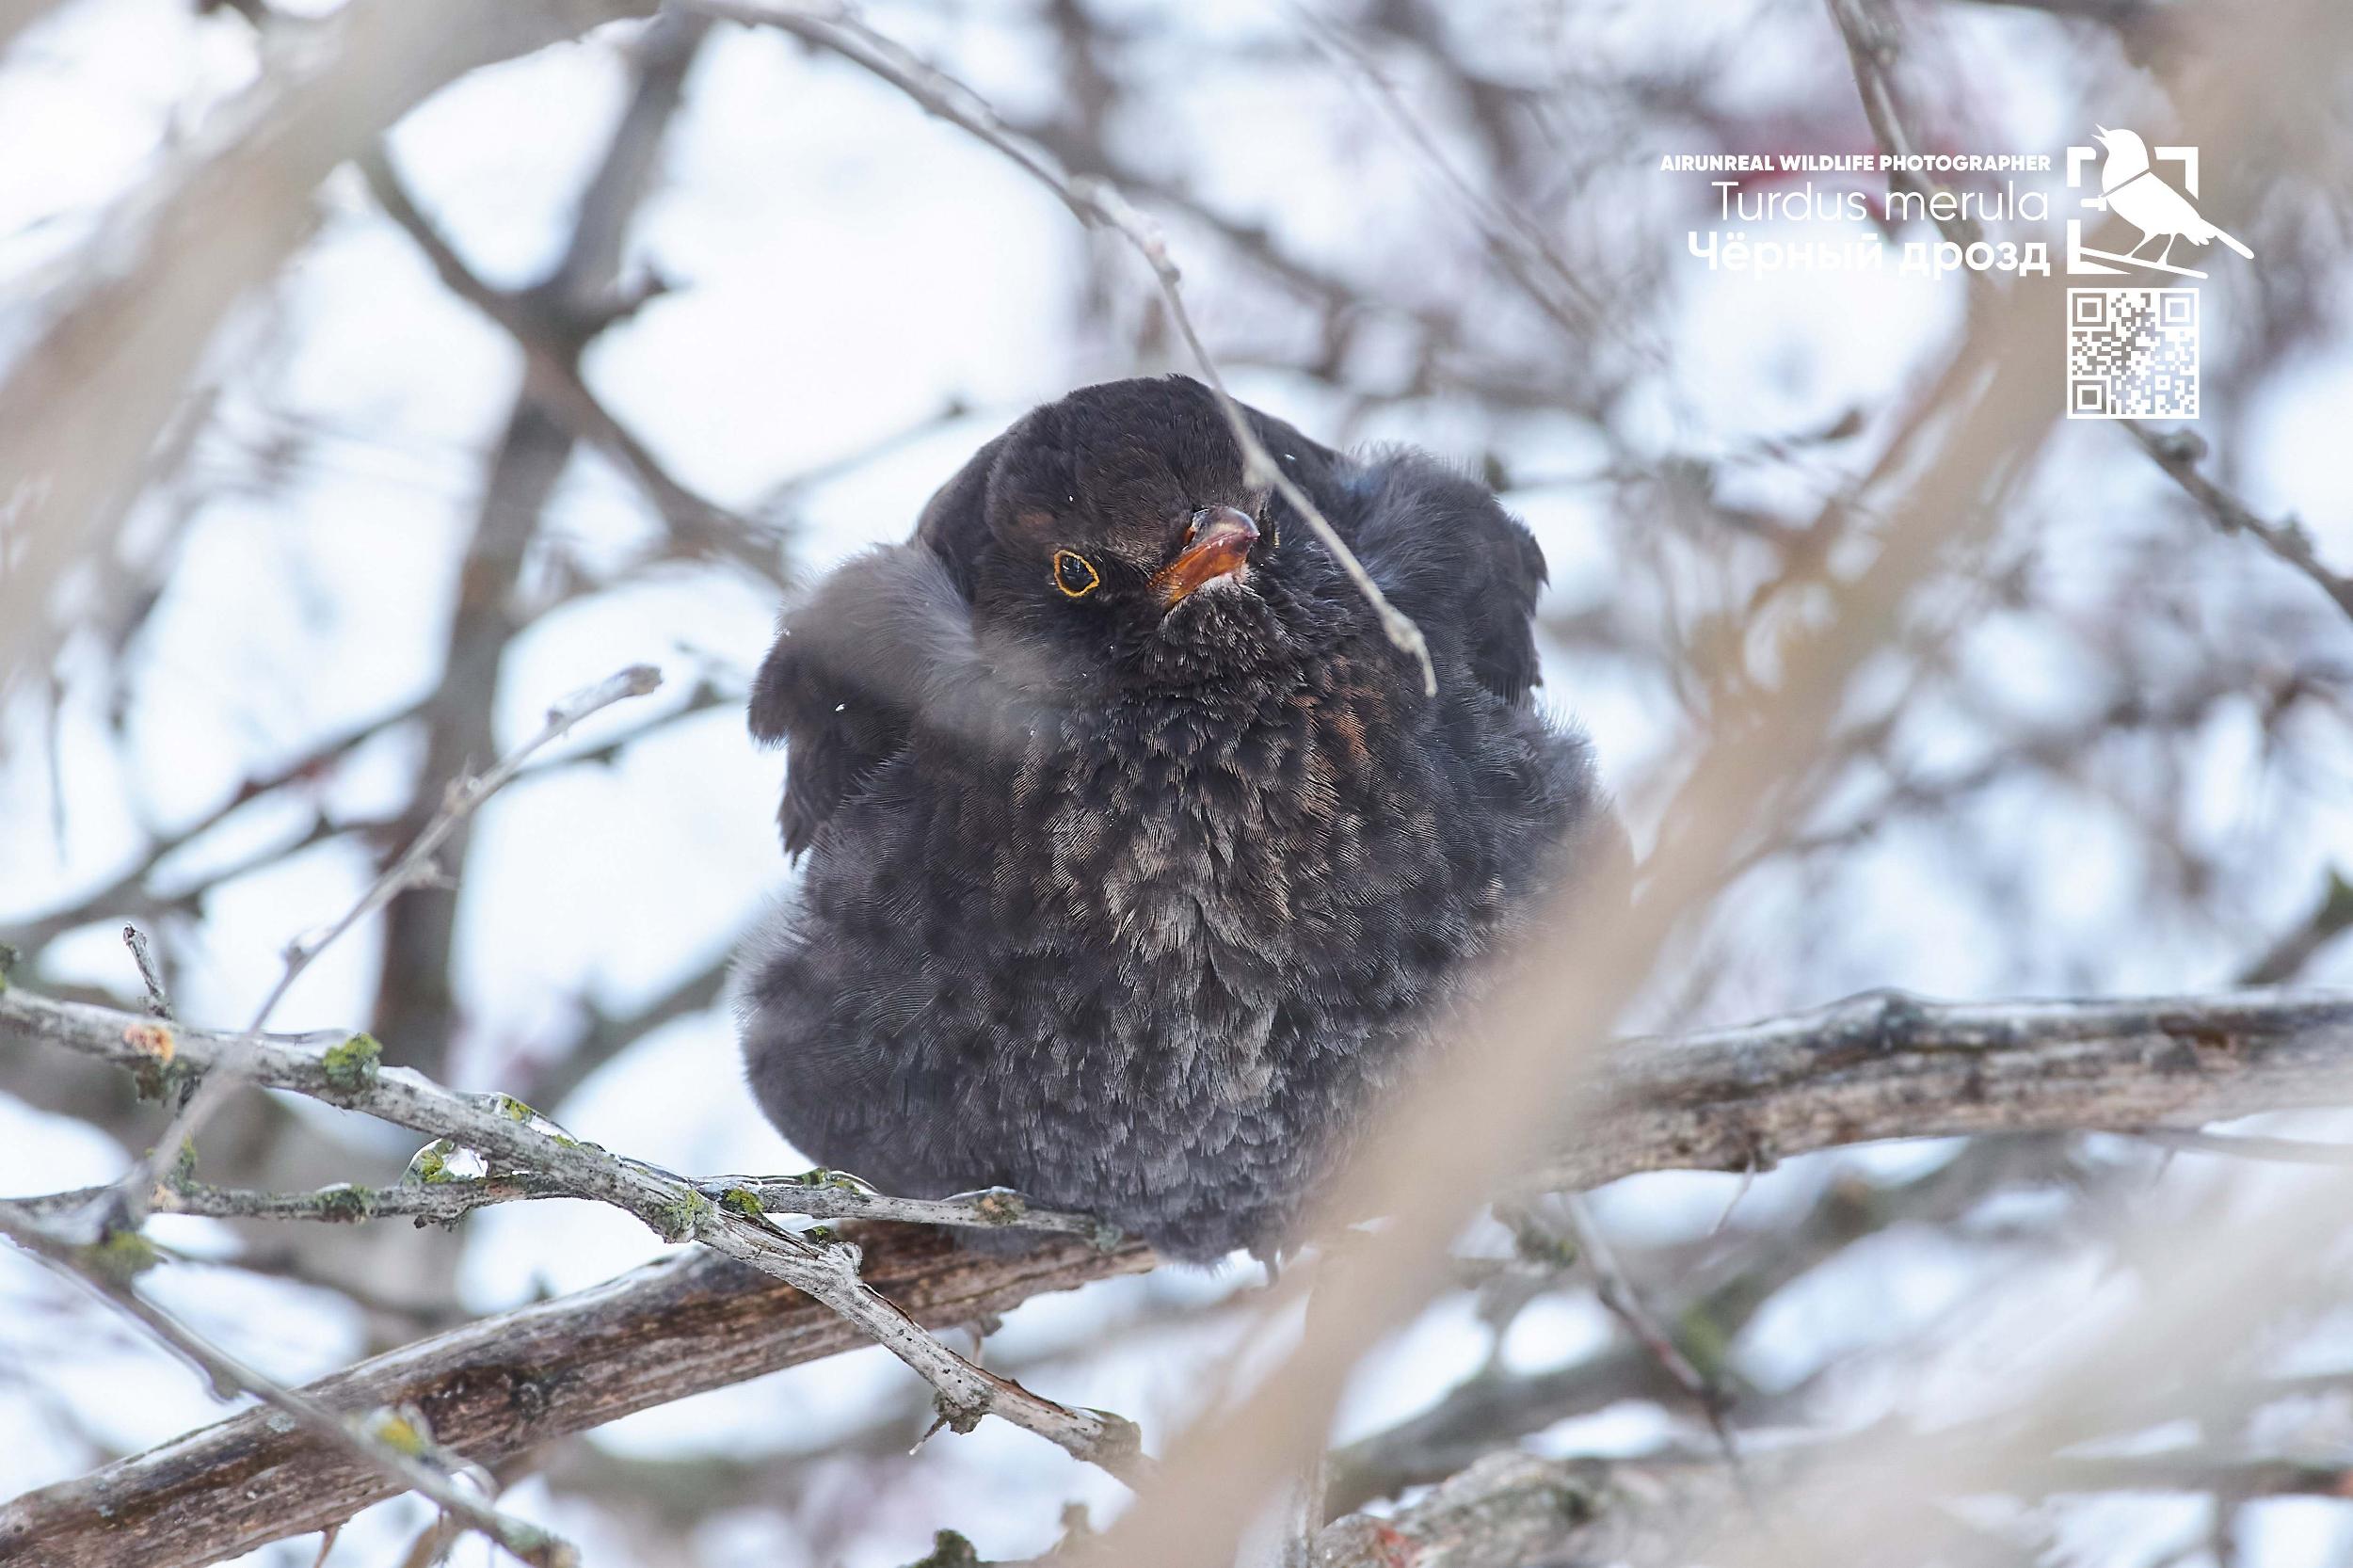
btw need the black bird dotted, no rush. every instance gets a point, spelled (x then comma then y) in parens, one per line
(1138, 858)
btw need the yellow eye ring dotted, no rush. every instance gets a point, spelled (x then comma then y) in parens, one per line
(1074, 575)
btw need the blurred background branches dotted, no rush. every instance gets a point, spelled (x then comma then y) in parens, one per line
(373, 372)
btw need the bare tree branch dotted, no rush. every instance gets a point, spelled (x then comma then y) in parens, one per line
(465, 796)
(1889, 1065)
(414, 863)
(1526, 251)
(348, 1073)
(158, 1005)
(1623, 1299)
(1874, 42)
(607, 1034)
(1508, 1510)
(87, 399)
(128, 894)
(1884, 1065)
(1511, 1510)
(509, 1384)
(1711, 1291)
(400, 1453)
(552, 346)
(2180, 451)
(440, 1199)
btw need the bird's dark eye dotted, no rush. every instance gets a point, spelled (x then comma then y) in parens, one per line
(1073, 575)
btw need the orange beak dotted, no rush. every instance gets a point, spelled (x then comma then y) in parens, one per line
(1218, 545)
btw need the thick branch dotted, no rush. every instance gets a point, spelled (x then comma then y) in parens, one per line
(1512, 1510)
(1887, 1064)
(1508, 1510)
(506, 1385)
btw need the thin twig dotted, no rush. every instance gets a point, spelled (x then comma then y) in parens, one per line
(1515, 237)
(431, 1546)
(127, 891)
(1874, 47)
(1625, 1302)
(133, 1195)
(159, 1004)
(2180, 451)
(832, 1195)
(405, 1463)
(464, 798)
(1747, 1179)
(2331, 917)
(551, 361)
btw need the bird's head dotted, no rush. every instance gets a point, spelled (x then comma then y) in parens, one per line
(1116, 534)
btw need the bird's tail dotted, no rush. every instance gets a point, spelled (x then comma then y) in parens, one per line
(2232, 242)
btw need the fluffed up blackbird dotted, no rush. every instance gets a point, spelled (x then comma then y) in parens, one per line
(1138, 858)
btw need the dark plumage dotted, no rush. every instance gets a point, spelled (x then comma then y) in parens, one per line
(1125, 903)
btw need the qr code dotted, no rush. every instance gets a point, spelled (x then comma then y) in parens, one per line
(2132, 353)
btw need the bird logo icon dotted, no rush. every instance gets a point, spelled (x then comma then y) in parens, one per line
(2131, 187)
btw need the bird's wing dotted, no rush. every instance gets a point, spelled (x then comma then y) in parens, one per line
(1446, 553)
(884, 647)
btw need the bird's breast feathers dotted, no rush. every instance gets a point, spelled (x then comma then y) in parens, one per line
(1241, 844)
